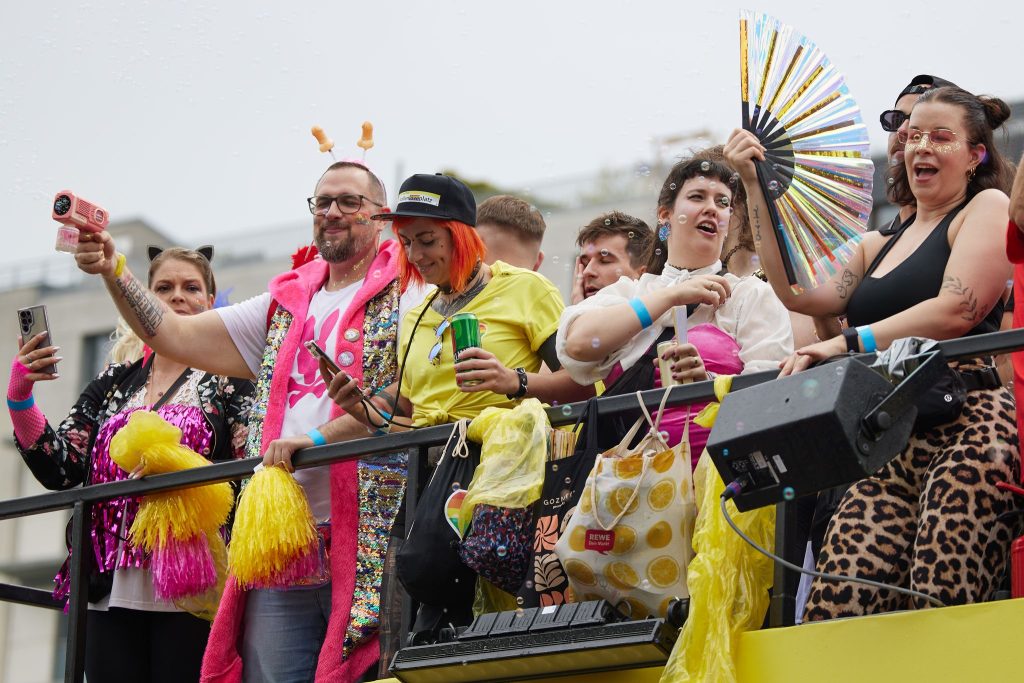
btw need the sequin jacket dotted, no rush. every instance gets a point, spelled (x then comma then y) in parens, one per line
(60, 459)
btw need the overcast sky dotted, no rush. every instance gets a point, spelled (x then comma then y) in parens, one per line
(196, 116)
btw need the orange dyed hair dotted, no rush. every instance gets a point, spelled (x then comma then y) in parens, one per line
(467, 250)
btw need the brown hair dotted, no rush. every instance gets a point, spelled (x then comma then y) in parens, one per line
(982, 116)
(188, 256)
(694, 167)
(382, 195)
(512, 214)
(639, 236)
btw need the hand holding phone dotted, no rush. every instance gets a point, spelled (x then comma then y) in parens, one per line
(321, 356)
(32, 323)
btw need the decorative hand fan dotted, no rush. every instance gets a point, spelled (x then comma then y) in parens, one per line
(817, 176)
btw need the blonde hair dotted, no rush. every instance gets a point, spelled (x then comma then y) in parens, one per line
(127, 347)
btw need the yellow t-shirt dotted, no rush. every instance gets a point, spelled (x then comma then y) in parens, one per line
(518, 311)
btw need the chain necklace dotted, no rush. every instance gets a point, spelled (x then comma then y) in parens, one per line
(447, 307)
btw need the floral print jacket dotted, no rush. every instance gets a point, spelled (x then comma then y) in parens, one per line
(60, 458)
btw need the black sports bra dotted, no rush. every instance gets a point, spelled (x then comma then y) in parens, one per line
(917, 279)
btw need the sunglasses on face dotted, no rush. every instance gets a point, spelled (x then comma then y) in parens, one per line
(892, 120)
(939, 136)
(434, 356)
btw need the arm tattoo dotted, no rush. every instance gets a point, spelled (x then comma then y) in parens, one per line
(391, 401)
(846, 284)
(969, 309)
(757, 225)
(146, 307)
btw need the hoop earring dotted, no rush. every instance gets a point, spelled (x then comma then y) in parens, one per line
(970, 173)
(664, 229)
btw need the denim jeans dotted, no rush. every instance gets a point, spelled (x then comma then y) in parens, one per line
(283, 633)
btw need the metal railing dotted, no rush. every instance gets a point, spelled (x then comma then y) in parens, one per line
(416, 441)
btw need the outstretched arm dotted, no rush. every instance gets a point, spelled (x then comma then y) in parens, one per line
(200, 341)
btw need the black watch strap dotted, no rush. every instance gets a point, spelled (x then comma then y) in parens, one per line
(852, 339)
(521, 372)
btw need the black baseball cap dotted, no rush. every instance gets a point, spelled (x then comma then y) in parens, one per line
(924, 82)
(433, 195)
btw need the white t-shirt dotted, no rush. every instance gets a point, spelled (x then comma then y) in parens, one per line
(307, 405)
(753, 316)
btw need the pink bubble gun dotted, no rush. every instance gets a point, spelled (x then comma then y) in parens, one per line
(76, 214)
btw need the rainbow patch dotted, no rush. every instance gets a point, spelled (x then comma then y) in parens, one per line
(451, 509)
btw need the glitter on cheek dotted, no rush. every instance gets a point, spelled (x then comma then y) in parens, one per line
(948, 148)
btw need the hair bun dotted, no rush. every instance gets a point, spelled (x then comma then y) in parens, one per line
(996, 110)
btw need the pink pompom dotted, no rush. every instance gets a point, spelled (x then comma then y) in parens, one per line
(183, 568)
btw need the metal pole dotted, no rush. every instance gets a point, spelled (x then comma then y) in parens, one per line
(78, 604)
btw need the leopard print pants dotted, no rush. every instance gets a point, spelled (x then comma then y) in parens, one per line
(928, 519)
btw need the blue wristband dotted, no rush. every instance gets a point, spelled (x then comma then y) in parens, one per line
(867, 339)
(641, 312)
(318, 438)
(21, 405)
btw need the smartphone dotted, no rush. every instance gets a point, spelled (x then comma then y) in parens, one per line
(318, 353)
(32, 321)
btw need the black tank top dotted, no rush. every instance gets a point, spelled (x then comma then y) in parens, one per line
(917, 279)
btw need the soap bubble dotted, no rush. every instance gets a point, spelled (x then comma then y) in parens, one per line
(705, 166)
(502, 551)
(788, 493)
(631, 235)
(810, 388)
(681, 218)
(595, 343)
(456, 486)
(663, 435)
(657, 252)
(671, 186)
(607, 221)
(773, 185)
(566, 410)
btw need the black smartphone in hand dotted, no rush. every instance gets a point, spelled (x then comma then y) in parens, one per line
(318, 353)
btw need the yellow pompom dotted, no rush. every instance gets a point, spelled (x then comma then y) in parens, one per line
(273, 530)
(150, 440)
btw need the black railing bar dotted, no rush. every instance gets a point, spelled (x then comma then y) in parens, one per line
(78, 600)
(24, 595)
(323, 455)
(987, 344)
(991, 344)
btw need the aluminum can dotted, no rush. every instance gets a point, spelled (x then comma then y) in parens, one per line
(665, 366)
(465, 335)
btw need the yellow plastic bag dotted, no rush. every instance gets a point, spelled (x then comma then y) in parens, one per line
(728, 583)
(511, 469)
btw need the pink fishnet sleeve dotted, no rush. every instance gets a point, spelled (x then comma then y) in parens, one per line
(28, 424)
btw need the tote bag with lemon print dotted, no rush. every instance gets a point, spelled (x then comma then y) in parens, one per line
(629, 539)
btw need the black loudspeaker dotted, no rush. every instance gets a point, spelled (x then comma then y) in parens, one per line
(830, 425)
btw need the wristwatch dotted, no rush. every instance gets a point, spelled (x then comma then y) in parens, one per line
(852, 339)
(521, 372)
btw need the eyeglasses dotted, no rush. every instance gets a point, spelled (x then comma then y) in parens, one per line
(347, 203)
(434, 356)
(939, 136)
(893, 119)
